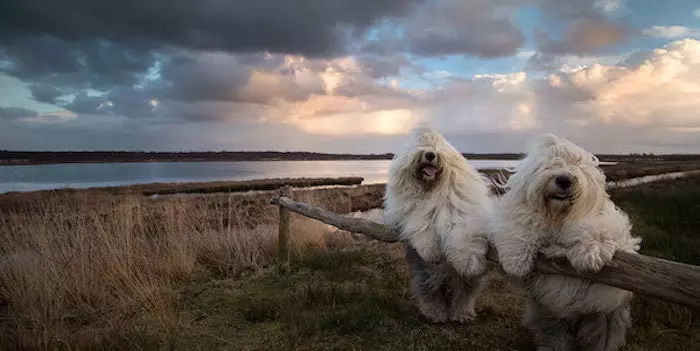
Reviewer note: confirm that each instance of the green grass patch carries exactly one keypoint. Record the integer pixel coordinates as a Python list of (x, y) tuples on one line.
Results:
[(667, 216), (333, 300)]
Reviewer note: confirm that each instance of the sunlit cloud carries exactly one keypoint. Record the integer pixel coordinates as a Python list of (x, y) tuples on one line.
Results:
[(398, 121)]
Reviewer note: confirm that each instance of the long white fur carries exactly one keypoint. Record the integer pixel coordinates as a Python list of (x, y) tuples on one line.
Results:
[(447, 221), (450, 220), (586, 231)]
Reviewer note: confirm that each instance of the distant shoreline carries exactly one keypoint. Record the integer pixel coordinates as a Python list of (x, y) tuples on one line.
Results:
[(39, 158), (20, 158), (42, 162)]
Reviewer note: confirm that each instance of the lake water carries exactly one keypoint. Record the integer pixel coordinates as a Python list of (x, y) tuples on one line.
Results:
[(86, 175)]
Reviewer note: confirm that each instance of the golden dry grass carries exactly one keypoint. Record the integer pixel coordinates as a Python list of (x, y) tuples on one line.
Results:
[(88, 269)]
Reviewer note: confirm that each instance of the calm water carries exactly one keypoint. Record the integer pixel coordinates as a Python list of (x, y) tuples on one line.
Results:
[(85, 175)]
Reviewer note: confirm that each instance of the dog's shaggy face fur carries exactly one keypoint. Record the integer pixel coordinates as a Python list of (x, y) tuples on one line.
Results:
[(558, 182), (557, 206), (440, 206), (420, 167)]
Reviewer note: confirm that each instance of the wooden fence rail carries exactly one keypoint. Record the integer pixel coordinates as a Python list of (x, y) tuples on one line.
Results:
[(667, 280)]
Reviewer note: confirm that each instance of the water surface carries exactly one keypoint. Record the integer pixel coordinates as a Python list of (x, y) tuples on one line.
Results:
[(86, 175)]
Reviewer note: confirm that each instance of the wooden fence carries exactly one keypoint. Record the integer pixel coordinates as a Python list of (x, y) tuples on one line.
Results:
[(667, 280)]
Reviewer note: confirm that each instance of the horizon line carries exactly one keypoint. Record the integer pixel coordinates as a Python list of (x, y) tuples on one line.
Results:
[(313, 152)]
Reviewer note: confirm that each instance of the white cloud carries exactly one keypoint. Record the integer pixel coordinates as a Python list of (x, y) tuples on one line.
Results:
[(525, 54), (659, 92), (609, 6), (670, 32), (504, 82), (696, 13), (646, 103)]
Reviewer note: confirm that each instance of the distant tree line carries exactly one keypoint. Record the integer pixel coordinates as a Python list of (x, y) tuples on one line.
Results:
[(33, 157)]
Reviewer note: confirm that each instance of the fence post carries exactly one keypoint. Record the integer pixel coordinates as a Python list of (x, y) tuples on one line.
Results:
[(283, 243)]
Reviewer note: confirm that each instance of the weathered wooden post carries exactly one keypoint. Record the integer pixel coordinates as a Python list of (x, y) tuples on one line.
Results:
[(283, 244)]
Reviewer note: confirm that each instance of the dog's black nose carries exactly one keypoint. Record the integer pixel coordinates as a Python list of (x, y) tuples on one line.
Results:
[(563, 182), (429, 155)]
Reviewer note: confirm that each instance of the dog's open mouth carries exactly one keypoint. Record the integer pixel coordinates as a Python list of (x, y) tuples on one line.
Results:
[(560, 197), (429, 172)]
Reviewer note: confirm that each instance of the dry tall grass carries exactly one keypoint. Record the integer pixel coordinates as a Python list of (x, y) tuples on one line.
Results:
[(88, 270)]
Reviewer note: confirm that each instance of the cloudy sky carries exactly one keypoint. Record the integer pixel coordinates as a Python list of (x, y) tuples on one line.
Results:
[(617, 76)]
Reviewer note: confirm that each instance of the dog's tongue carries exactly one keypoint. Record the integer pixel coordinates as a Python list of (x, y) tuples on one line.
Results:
[(430, 171)]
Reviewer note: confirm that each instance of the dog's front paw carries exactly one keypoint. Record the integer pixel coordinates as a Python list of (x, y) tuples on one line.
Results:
[(591, 257), (430, 255), (473, 266), (434, 313), (518, 267), (463, 316)]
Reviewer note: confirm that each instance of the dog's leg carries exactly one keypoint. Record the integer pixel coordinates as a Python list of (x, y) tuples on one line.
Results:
[(427, 287), (550, 332), (604, 331), (463, 297)]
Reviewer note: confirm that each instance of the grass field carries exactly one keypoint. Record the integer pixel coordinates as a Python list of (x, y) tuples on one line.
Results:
[(91, 270), (357, 299)]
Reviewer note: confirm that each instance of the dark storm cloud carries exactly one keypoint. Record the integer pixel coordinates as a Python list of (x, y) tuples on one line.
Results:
[(70, 47), (84, 103), (475, 27), (453, 27), (45, 93), (38, 57), (96, 64), (225, 78), (208, 77), (308, 27), (10, 112), (129, 102), (147, 108)]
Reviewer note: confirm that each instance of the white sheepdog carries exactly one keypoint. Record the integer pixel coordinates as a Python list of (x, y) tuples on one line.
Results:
[(440, 205), (557, 205)]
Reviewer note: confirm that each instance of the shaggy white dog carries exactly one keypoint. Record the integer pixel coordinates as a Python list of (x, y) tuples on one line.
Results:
[(440, 205), (557, 205)]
